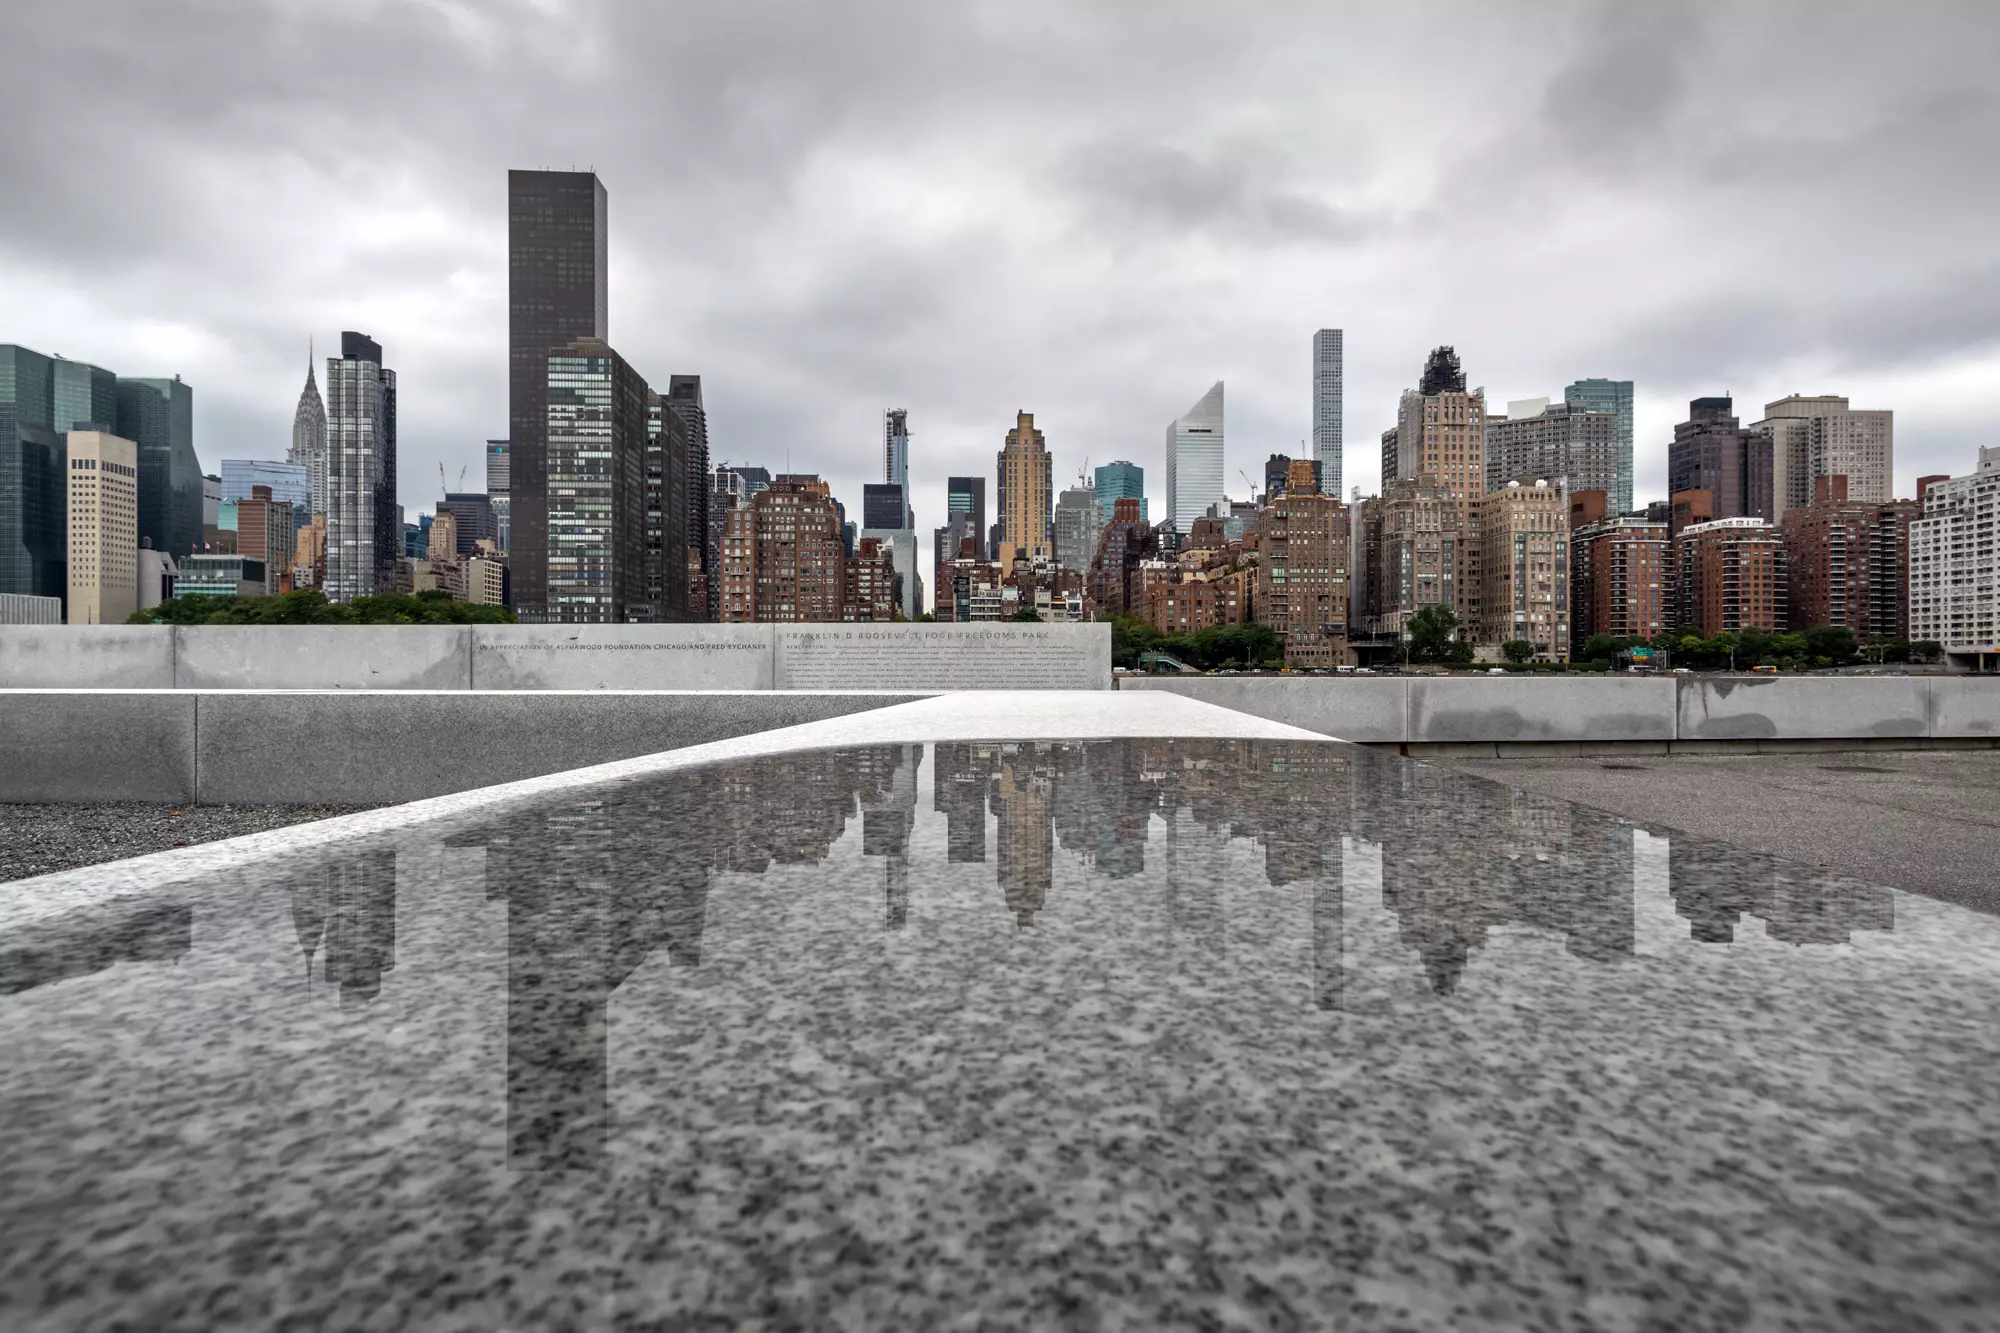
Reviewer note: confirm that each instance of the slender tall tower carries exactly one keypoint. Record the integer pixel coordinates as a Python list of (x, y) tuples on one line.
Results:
[(1194, 462), (1326, 408), (556, 294), (363, 541), (1025, 494), (896, 453), (309, 437)]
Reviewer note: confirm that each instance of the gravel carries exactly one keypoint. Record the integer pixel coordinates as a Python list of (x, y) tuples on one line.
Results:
[(41, 839)]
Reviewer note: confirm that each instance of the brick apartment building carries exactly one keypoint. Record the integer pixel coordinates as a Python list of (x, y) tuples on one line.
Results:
[(1731, 573), (1847, 561)]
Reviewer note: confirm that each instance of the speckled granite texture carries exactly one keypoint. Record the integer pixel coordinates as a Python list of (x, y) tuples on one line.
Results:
[(1124, 1034)]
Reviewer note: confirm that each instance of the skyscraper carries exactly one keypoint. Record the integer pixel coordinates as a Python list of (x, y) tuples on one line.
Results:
[(363, 527), (498, 492), (1821, 436), (1194, 462), (896, 457), (684, 399), (1440, 437), (158, 416), (309, 440), (1119, 481), (1077, 527), (1712, 452), (556, 294), (594, 454), (1557, 443), (103, 506), (1326, 408), (33, 488), (1615, 397), (667, 577), (1955, 564), (1025, 494)]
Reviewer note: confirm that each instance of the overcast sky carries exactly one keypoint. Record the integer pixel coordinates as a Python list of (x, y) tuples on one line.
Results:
[(1089, 210)]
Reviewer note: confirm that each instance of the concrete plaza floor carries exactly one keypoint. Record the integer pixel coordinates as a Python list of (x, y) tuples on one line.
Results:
[(1923, 820)]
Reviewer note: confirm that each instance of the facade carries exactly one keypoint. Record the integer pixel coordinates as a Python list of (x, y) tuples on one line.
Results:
[(870, 582), (1326, 436), (1731, 573), (1026, 493), (103, 498), (883, 506), (83, 395), (1615, 397), (308, 451), (1955, 565), (309, 555), (1620, 577), (1076, 527), (896, 460), (1558, 442), (1712, 452), (1821, 436), (1118, 481), (157, 574), (782, 559), (1197, 604), (1301, 590), (1847, 562), (264, 532), (1524, 543), (1441, 435), (964, 516), (17, 608), (1391, 457), (472, 520), (363, 524), (33, 485), (158, 416), (215, 575), (726, 492), (969, 588), (1195, 442), (486, 581), (557, 292), (288, 482), (1116, 584), (670, 582), (684, 400), (1416, 555), (594, 452), (498, 495), (899, 546)]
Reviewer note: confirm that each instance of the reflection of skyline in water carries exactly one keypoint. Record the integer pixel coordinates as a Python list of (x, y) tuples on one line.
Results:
[(592, 888)]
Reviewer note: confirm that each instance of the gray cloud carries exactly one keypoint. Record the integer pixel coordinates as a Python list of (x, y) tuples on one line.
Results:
[(1088, 210)]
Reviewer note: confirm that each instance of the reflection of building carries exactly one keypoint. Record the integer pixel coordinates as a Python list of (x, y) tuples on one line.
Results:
[(963, 774), (1714, 885), (344, 913), (1021, 798)]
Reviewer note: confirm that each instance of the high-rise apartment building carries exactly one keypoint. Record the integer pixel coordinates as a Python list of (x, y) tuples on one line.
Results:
[(1847, 562), (498, 494), (668, 577), (1712, 452), (1620, 574), (1955, 564), (1416, 558), (1195, 442), (1391, 457), (1326, 437), (896, 459), (1558, 442), (727, 492), (1302, 591), (1821, 436), (103, 504), (264, 532), (1119, 481), (1116, 583), (1524, 544), (1615, 397), (556, 293), (684, 399), (1026, 493), (1076, 527), (870, 582), (1441, 435), (363, 522), (594, 458), (308, 451), (34, 494), (1731, 573), (782, 558)]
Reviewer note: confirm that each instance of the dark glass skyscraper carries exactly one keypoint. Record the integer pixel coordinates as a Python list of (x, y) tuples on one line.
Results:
[(684, 400), (33, 480), (158, 416), (364, 525), (556, 294)]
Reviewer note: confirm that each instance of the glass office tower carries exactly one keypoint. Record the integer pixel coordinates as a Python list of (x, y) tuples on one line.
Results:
[(1615, 397)]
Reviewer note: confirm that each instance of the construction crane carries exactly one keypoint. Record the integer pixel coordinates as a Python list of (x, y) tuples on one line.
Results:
[(1247, 482)]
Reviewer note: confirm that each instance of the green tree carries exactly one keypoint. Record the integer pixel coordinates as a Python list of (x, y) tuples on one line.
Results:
[(1604, 647), (1518, 650), (1028, 613), (1926, 650), (1752, 646), (1834, 642), (309, 606), (1431, 637)]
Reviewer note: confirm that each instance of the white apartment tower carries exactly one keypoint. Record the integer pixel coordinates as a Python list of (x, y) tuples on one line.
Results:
[(1194, 462), (1955, 565), (1819, 435), (1326, 408), (103, 528)]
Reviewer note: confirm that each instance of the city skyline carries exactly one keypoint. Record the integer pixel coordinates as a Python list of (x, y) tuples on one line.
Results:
[(806, 321)]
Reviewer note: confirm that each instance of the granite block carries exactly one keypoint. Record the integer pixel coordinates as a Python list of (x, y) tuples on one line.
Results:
[(1365, 709), (1541, 708), (995, 656), (1802, 707), (623, 657), (323, 657), (97, 746), (1964, 706), (86, 657)]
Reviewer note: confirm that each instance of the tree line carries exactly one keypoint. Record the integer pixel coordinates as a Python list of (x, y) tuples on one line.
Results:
[(309, 606)]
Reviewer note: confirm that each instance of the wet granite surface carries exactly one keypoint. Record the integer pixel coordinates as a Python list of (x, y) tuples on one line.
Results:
[(1124, 1034)]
